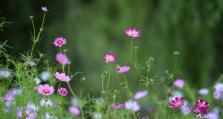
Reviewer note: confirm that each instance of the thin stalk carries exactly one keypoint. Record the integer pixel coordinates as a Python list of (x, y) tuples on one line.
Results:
[(71, 89), (127, 88)]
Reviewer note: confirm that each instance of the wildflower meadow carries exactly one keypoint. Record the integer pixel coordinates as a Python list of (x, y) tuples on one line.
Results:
[(34, 86)]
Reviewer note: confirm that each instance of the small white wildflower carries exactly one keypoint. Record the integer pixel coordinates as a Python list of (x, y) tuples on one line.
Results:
[(46, 102), (45, 75), (5, 74)]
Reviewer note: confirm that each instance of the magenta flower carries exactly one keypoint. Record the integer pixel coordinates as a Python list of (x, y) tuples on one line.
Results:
[(140, 94), (45, 89), (62, 58), (44, 9), (176, 102), (118, 105), (201, 107), (179, 83), (123, 69), (74, 110), (62, 77), (62, 91), (132, 32), (110, 57), (59, 41)]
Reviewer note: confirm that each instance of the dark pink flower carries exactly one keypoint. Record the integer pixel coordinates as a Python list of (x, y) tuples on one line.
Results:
[(110, 57), (59, 41), (62, 77), (62, 91), (45, 89), (118, 105), (123, 69), (201, 107), (62, 59), (176, 102), (132, 32)]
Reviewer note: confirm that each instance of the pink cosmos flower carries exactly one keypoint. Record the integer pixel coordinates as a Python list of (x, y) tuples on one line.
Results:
[(123, 69), (110, 57), (132, 32), (62, 58), (176, 102), (74, 110), (201, 107), (62, 91), (59, 41), (44, 9), (179, 83), (62, 77), (118, 105), (45, 89), (140, 94)]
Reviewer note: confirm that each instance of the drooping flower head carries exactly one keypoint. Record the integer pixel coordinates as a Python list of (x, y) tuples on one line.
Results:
[(62, 77), (176, 102), (123, 69), (62, 91), (201, 107), (110, 57), (44, 9), (62, 58), (118, 105), (45, 89), (132, 105), (132, 32), (179, 83), (59, 41), (140, 94), (74, 110)]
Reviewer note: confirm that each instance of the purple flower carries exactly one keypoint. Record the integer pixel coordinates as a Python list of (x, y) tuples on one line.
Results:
[(28, 113), (62, 58), (203, 91), (59, 41), (110, 57), (201, 107), (179, 83), (74, 110), (118, 105), (62, 91), (132, 105), (9, 95), (62, 77), (217, 95), (45, 89), (123, 69), (176, 102), (140, 94), (132, 32)]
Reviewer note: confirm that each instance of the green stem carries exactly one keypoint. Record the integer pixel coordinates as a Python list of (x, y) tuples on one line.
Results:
[(71, 89), (127, 88)]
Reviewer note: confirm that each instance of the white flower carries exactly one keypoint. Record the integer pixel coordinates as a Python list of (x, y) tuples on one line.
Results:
[(37, 80), (45, 75), (5, 74), (203, 91), (97, 115), (132, 105), (219, 87), (46, 102)]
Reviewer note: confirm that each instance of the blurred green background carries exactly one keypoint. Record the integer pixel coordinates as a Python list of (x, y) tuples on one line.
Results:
[(94, 27)]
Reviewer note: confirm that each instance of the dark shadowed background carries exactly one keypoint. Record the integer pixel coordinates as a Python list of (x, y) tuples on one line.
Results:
[(94, 27)]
